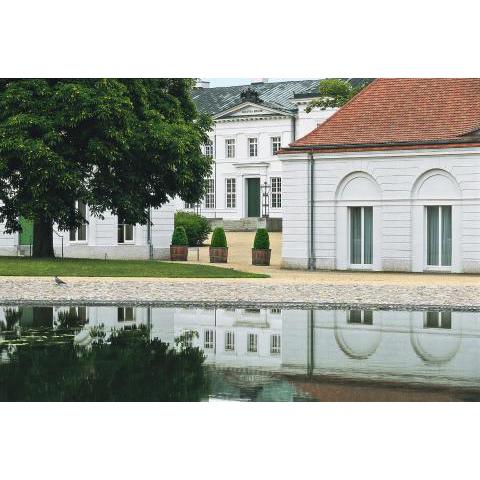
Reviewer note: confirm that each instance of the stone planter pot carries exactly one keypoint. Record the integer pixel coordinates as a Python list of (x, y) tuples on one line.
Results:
[(218, 254), (178, 253), (261, 257)]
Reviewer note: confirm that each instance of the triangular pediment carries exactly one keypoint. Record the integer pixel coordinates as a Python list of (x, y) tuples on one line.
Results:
[(249, 109)]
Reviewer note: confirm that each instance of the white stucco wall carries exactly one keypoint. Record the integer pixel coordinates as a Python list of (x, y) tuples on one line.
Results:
[(264, 165), (101, 239), (398, 185)]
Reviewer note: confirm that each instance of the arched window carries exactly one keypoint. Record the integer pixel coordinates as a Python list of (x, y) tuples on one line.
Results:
[(436, 190), (358, 192)]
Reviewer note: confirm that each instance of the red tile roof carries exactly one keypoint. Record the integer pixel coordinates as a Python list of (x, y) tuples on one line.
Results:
[(402, 111)]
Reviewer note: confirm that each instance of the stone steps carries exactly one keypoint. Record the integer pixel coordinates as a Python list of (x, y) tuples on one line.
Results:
[(247, 224)]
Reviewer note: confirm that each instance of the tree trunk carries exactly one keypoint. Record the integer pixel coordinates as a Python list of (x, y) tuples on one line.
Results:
[(43, 238)]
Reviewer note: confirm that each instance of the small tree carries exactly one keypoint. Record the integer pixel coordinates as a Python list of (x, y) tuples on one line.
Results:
[(219, 240), (262, 240), (196, 227), (334, 93), (179, 237), (117, 145)]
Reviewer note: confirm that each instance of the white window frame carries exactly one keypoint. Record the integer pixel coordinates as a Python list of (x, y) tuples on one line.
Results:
[(231, 193), (81, 312), (208, 339), (441, 321), (252, 146), (208, 149), (77, 202), (229, 341), (252, 343), (124, 310), (362, 265), (275, 144), (230, 148), (275, 344), (362, 316), (124, 225), (209, 200), (276, 192), (439, 267)]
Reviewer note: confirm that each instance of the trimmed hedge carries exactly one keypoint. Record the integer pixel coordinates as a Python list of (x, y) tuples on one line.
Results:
[(218, 238), (196, 227), (262, 240), (179, 237)]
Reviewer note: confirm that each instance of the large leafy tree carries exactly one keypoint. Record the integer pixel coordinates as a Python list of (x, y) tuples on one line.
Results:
[(119, 145), (334, 93)]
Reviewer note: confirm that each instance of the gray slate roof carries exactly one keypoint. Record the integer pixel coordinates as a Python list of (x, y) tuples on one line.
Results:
[(277, 95)]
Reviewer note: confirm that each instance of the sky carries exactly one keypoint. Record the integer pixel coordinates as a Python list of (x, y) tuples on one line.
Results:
[(227, 82)]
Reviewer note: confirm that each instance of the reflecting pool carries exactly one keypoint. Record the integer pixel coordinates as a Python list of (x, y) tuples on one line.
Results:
[(128, 353)]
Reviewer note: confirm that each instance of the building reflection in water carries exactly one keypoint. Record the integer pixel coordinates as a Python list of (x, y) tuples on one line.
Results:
[(423, 347)]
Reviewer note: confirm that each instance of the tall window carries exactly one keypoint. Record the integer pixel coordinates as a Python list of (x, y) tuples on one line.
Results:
[(124, 232), (438, 320), (360, 316), (208, 339), (230, 148), (275, 343), (252, 147), (126, 314), (276, 143), (208, 149), (80, 234), (439, 236), (210, 194), (252, 342), (229, 341), (189, 206), (231, 193), (276, 192), (361, 235)]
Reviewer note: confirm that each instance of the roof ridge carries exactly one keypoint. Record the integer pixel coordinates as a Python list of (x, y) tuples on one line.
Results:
[(259, 83)]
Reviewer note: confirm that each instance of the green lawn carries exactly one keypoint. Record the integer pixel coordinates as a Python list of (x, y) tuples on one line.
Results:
[(74, 267)]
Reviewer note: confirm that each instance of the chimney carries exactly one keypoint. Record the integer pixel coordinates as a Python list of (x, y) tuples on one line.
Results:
[(202, 83)]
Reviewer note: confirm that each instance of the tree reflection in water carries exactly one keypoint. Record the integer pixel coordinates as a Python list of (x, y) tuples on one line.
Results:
[(126, 367)]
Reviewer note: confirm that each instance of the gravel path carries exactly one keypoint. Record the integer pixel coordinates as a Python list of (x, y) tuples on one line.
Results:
[(235, 292)]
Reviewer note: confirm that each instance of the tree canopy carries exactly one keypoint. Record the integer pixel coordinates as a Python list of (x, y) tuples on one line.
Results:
[(334, 93), (119, 145)]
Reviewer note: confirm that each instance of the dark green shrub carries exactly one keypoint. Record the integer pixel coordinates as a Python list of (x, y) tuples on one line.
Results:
[(179, 237), (218, 238), (262, 240), (196, 227)]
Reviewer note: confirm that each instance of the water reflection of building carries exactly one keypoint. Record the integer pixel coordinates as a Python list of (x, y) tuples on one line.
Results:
[(402, 346)]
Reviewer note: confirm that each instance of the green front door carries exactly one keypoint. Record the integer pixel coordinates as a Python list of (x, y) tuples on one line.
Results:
[(253, 197), (26, 235)]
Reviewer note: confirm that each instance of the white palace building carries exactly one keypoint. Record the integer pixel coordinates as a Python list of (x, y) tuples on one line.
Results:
[(251, 123), (390, 182)]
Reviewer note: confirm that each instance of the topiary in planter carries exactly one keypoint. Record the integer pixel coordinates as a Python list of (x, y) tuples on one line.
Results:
[(261, 248), (179, 246), (262, 240), (218, 246)]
